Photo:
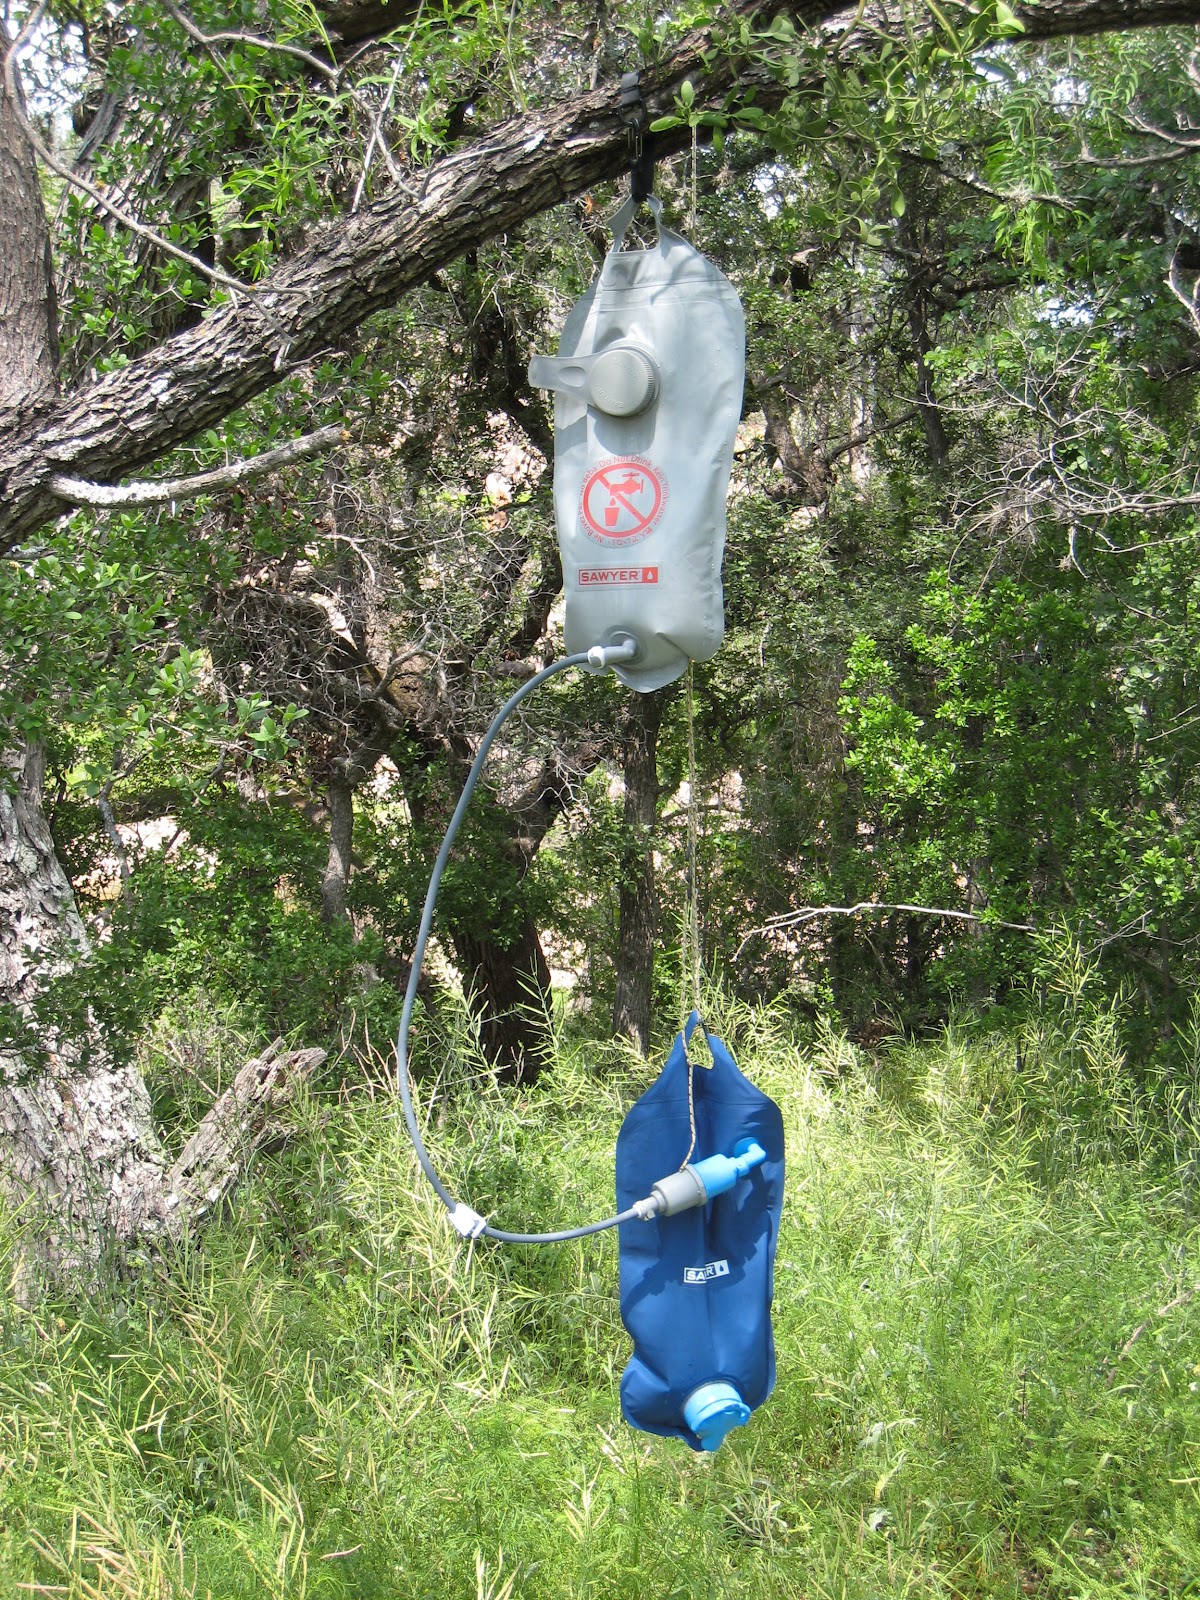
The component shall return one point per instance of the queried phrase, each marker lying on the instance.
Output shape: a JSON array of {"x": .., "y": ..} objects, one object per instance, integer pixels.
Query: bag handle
[
  {"x": 666, "y": 240},
  {"x": 621, "y": 219},
  {"x": 689, "y": 1028}
]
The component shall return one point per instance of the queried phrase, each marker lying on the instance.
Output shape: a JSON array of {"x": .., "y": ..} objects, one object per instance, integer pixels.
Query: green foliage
[
  {"x": 987, "y": 1379},
  {"x": 1035, "y": 701},
  {"x": 234, "y": 911},
  {"x": 961, "y": 642}
]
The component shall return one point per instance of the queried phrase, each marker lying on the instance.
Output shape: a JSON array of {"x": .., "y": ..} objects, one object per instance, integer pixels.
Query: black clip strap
[{"x": 641, "y": 157}]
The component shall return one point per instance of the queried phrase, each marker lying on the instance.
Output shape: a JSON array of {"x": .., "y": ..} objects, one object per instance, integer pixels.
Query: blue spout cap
[
  {"x": 719, "y": 1173},
  {"x": 712, "y": 1410}
]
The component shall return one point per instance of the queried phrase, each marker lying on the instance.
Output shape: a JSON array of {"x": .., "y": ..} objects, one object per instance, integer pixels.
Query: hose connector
[{"x": 602, "y": 656}]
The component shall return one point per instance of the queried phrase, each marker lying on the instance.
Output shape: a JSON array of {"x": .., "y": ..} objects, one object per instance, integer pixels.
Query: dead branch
[
  {"x": 234, "y": 36},
  {"x": 1181, "y": 1299},
  {"x": 215, "y": 1156},
  {"x": 79, "y": 492},
  {"x": 796, "y": 919}
]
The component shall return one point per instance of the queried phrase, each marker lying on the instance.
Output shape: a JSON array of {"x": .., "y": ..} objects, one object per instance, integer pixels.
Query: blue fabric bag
[{"x": 696, "y": 1286}]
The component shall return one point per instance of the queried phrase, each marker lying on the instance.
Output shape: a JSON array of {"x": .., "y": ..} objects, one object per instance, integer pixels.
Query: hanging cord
[
  {"x": 693, "y": 847},
  {"x": 690, "y": 934},
  {"x": 695, "y": 161},
  {"x": 466, "y": 1221}
]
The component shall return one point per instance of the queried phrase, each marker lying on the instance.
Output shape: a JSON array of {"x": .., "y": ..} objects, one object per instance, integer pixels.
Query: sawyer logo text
[
  {"x": 615, "y": 577},
  {"x": 714, "y": 1269}
]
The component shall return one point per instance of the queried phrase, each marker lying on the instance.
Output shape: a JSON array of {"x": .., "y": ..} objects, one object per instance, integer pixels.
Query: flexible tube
[{"x": 598, "y": 659}]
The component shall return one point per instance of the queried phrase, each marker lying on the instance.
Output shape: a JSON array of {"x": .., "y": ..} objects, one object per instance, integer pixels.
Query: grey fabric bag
[{"x": 648, "y": 395}]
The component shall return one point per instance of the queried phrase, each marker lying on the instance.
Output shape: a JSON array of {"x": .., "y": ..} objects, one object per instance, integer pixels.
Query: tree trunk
[
  {"x": 507, "y": 981},
  {"x": 937, "y": 443},
  {"x": 78, "y": 1144},
  {"x": 920, "y": 263},
  {"x": 508, "y": 989},
  {"x": 28, "y": 326},
  {"x": 638, "y": 903},
  {"x": 79, "y": 1153},
  {"x": 806, "y": 477},
  {"x": 506, "y": 985},
  {"x": 335, "y": 883},
  {"x": 76, "y": 1132}
]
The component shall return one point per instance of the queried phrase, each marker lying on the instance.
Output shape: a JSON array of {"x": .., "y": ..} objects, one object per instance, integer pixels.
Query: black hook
[{"x": 641, "y": 156}]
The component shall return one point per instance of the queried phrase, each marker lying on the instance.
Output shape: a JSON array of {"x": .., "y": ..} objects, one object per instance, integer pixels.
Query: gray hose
[{"x": 469, "y": 1223}]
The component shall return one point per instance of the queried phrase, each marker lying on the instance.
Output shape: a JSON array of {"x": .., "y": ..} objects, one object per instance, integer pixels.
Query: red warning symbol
[{"x": 622, "y": 500}]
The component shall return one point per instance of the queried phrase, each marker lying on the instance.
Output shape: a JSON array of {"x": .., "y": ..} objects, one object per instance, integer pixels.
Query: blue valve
[
  {"x": 719, "y": 1173},
  {"x": 713, "y": 1409}
]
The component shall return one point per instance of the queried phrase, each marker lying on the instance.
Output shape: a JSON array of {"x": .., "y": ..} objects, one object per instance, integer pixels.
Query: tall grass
[{"x": 986, "y": 1316}]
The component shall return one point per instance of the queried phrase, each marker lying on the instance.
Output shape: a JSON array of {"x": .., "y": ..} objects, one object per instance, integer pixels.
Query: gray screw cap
[{"x": 622, "y": 382}]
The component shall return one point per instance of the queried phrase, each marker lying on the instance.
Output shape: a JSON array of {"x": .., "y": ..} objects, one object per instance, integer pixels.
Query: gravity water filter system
[{"x": 647, "y": 389}]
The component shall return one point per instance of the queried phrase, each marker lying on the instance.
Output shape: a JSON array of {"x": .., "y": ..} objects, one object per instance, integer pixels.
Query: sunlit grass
[{"x": 988, "y": 1338}]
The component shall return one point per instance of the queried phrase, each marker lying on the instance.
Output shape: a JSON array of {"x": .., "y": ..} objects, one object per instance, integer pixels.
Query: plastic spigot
[
  {"x": 712, "y": 1410},
  {"x": 620, "y": 648}
]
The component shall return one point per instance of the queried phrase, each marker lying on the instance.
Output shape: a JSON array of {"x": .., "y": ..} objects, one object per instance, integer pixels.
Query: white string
[
  {"x": 695, "y": 162},
  {"x": 690, "y": 933}
]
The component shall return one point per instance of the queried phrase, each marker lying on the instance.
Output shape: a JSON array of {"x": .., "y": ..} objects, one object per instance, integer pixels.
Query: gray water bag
[{"x": 647, "y": 399}]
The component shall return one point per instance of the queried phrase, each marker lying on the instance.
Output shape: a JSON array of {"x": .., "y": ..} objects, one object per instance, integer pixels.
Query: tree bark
[
  {"x": 335, "y": 882},
  {"x": 27, "y": 313},
  {"x": 508, "y": 989},
  {"x": 366, "y": 262},
  {"x": 638, "y": 902},
  {"x": 78, "y": 1145}
]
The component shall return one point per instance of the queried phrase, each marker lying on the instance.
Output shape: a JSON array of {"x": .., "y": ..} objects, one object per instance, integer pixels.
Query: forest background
[{"x": 941, "y": 803}]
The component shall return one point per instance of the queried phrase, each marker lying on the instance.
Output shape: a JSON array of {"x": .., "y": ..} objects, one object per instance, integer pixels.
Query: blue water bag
[{"x": 697, "y": 1274}]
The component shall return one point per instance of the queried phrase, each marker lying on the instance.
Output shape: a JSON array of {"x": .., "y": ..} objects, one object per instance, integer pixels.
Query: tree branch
[
  {"x": 796, "y": 919},
  {"x": 1183, "y": 1298},
  {"x": 233, "y": 36},
  {"x": 859, "y": 437},
  {"x": 363, "y": 263},
  {"x": 79, "y": 492},
  {"x": 68, "y": 175},
  {"x": 377, "y": 140}
]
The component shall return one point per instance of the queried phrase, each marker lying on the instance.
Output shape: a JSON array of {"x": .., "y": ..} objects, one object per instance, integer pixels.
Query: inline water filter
[{"x": 647, "y": 399}]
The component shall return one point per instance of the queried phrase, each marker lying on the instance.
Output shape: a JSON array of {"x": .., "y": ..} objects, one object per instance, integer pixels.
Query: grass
[{"x": 986, "y": 1317}]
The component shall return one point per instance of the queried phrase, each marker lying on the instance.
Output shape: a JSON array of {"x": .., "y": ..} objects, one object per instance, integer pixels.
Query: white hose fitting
[{"x": 602, "y": 656}]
